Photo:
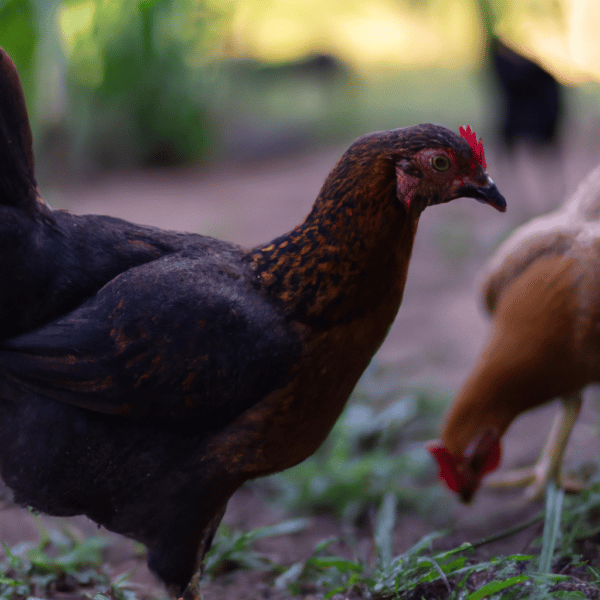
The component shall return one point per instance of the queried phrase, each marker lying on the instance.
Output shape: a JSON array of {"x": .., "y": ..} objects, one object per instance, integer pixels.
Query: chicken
[
  {"x": 541, "y": 287},
  {"x": 532, "y": 98},
  {"x": 167, "y": 369}
]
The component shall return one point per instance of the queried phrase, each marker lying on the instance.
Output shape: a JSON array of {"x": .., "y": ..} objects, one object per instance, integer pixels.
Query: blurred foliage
[
  {"x": 122, "y": 82},
  {"x": 135, "y": 91},
  {"x": 386, "y": 33},
  {"x": 138, "y": 82},
  {"x": 59, "y": 564},
  {"x": 18, "y": 35}
]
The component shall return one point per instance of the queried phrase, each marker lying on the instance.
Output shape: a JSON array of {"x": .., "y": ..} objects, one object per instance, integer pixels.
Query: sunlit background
[{"x": 126, "y": 83}]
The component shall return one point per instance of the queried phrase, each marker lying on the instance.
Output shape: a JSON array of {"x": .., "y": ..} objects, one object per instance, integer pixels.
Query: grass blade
[
  {"x": 283, "y": 528},
  {"x": 496, "y": 586},
  {"x": 385, "y": 529},
  {"x": 554, "y": 502}
]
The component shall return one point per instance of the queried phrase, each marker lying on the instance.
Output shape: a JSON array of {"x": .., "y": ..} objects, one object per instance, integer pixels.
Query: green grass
[
  {"x": 233, "y": 550},
  {"x": 422, "y": 572},
  {"x": 373, "y": 461},
  {"x": 59, "y": 563}
]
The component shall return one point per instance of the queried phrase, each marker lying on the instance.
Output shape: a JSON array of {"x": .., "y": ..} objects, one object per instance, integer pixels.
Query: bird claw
[
  {"x": 515, "y": 478},
  {"x": 548, "y": 465},
  {"x": 534, "y": 479}
]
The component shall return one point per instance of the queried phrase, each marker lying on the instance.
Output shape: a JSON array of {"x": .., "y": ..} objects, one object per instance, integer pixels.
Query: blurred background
[
  {"x": 117, "y": 84},
  {"x": 223, "y": 117}
]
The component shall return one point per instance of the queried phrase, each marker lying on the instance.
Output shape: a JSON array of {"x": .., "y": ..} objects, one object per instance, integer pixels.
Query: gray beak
[{"x": 488, "y": 194}]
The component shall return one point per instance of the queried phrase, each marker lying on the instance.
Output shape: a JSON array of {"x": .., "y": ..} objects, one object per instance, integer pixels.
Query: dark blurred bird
[
  {"x": 145, "y": 375},
  {"x": 532, "y": 97}
]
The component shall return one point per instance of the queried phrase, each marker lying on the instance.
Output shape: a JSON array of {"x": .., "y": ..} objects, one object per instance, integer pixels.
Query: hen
[
  {"x": 155, "y": 372},
  {"x": 532, "y": 98},
  {"x": 541, "y": 287}
]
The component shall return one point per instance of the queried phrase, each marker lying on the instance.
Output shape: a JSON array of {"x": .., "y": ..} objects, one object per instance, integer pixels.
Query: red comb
[{"x": 476, "y": 145}]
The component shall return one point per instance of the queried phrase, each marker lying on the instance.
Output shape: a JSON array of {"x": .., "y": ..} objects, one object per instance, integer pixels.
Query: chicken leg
[{"x": 548, "y": 465}]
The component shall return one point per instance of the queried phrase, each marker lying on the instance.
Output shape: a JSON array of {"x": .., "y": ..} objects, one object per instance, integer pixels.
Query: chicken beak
[
  {"x": 467, "y": 491},
  {"x": 488, "y": 194}
]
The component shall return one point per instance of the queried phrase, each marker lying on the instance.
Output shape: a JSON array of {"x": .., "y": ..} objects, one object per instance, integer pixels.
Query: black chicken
[
  {"x": 146, "y": 374},
  {"x": 532, "y": 98}
]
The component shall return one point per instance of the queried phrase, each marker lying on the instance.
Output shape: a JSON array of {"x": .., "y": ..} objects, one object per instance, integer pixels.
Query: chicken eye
[{"x": 440, "y": 162}]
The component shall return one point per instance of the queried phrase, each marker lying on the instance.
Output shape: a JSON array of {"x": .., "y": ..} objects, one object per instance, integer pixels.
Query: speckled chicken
[{"x": 145, "y": 375}]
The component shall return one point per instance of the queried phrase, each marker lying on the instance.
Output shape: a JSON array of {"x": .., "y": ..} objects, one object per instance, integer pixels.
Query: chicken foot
[{"x": 548, "y": 465}]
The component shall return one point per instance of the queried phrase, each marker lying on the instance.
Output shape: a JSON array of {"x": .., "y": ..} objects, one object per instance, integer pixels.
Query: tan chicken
[{"x": 542, "y": 288}]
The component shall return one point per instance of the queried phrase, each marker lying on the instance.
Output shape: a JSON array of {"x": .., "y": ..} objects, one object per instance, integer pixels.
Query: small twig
[{"x": 511, "y": 531}]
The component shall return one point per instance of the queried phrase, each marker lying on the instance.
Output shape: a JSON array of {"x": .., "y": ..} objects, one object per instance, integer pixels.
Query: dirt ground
[{"x": 434, "y": 341}]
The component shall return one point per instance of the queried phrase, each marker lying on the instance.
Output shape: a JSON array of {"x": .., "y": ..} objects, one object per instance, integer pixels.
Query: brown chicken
[
  {"x": 166, "y": 369},
  {"x": 541, "y": 287}
]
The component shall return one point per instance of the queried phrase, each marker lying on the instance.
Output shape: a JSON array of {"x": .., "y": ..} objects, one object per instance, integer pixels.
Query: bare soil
[{"x": 434, "y": 341}]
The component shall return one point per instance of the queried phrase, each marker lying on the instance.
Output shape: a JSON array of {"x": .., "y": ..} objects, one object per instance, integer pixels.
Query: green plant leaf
[
  {"x": 554, "y": 502},
  {"x": 489, "y": 589},
  {"x": 384, "y": 529},
  {"x": 341, "y": 564},
  {"x": 283, "y": 528}
]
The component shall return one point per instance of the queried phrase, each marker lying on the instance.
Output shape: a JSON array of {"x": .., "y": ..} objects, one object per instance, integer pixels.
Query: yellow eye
[{"x": 440, "y": 162}]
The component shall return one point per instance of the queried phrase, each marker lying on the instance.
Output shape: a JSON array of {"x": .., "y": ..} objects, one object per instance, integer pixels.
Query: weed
[
  {"x": 59, "y": 563},
  {"x": 233, "y": 550},
  {"x": 423, "y": 573}
]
